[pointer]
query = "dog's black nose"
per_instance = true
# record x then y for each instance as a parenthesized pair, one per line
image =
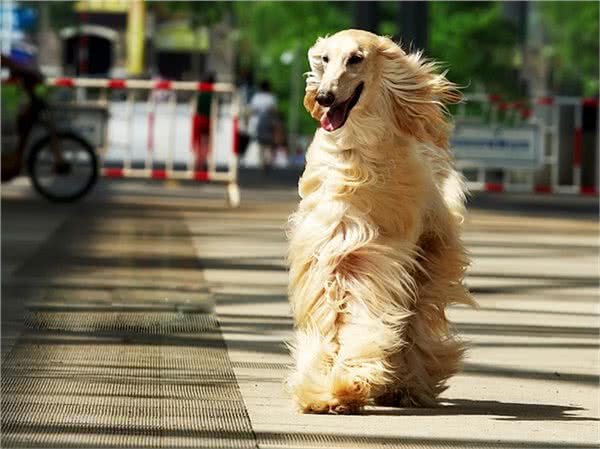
(325, 99)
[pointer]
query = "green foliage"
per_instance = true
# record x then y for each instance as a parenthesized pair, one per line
(266, 30)
(477, 44)
(572, 29)
(269, 29)
(198, 13)
(61, 14)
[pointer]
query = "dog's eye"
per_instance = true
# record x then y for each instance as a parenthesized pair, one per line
(325, 59)
(355, 59)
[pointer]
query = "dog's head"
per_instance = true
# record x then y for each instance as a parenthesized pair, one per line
(357, 75)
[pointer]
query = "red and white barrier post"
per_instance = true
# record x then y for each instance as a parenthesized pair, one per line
(546, 118)
(170, 171)
(577, 146)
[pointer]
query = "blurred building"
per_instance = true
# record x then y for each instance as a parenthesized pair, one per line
(127, 38)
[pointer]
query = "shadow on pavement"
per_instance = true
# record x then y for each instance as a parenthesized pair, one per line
(510, 411)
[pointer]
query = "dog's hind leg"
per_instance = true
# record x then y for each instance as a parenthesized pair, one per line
(432, 353)
(421, 371)
(422, 368)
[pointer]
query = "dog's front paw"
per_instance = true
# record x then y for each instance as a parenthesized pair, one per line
(333, 407)
(344, 398)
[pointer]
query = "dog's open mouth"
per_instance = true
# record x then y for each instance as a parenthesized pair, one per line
(337, 114)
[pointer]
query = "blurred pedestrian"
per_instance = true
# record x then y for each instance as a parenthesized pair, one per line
(201, 126)
(22, 104)
(263, 123)
(280, 150)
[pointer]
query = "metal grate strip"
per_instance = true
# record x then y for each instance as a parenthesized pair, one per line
(100, 373)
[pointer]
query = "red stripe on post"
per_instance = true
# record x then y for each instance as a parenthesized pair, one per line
(588, 190)
(577, 146)
(150, 143)
(114, 172)
(545, 101)
(494, 187)
(593, 102)
(162, 85)
(159, 174)
(236, 136)
(64, 82)
(195, 134)
(526, 113)
(541, 188)
(205, 87)
(11, 80)
(201, 176)
(117, 84)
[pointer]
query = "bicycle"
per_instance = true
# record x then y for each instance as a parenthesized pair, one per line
(61, 164)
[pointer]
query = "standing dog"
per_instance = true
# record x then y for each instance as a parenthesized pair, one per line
(375, 253)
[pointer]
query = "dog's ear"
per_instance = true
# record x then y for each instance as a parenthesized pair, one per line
(417, 74)
(310, 102)
(315, 54)
(313, 79)
(418, 93)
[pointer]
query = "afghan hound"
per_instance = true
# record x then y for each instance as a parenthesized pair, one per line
(375, 252)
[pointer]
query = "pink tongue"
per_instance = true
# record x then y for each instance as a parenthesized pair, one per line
(334, 118)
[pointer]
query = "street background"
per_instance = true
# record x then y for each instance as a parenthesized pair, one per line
(107, 343)
(152, 314)
(512, 53)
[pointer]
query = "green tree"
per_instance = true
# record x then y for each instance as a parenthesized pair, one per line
(476, 43)
(572, 31)
(269, 29)
(198, 13)
(61, 13)
(265, 31)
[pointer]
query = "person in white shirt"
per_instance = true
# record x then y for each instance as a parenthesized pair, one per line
(261, 126)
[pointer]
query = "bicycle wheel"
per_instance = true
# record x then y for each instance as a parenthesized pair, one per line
(65, 182)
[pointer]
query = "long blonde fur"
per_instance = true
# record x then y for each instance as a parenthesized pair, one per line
(375, 253)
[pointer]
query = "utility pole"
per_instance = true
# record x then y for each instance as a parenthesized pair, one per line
(414, 23)
(48, 52)
(516, 13)
(365, 16)
(293, 59)
(536, 68)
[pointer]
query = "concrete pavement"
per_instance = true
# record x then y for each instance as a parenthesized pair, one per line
(108, 300)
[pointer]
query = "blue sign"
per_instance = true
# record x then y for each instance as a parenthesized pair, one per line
(22, 18)
(21, 56)
(481, 144)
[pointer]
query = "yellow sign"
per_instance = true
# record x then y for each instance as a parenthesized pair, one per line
(135, 37)
(114, 6)
(179, 36)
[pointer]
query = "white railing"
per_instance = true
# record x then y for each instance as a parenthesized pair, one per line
(151, 133)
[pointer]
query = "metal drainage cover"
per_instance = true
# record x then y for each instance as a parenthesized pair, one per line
(127, 379)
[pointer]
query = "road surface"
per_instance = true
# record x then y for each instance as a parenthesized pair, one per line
(151, 315)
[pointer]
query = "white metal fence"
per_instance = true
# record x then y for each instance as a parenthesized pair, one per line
(546, 148)
(153, 129)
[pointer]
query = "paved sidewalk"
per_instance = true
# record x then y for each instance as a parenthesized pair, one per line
(117, 346)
